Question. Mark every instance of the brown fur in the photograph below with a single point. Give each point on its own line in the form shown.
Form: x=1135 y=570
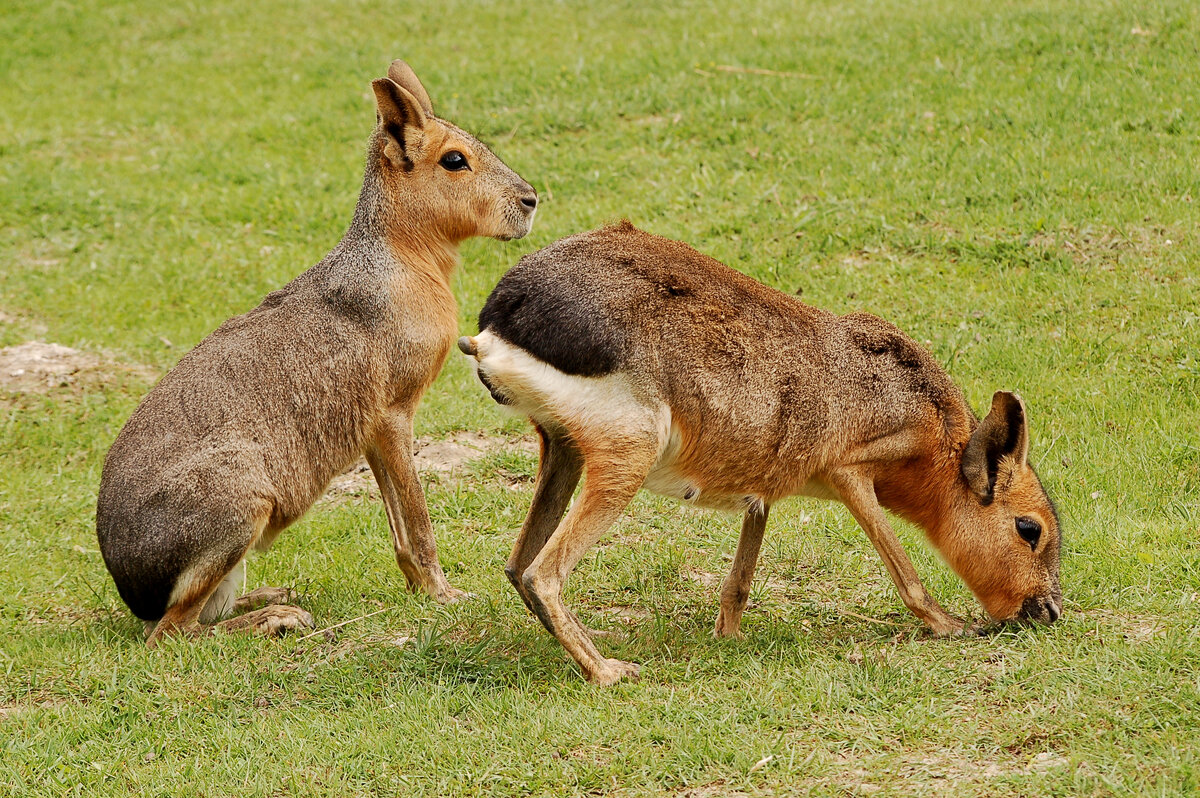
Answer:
x=731 y=395
x=243 y=435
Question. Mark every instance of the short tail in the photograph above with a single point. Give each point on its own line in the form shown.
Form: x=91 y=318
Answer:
x=469 y=346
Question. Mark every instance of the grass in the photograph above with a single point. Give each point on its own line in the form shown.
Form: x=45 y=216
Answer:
x=1011 y=182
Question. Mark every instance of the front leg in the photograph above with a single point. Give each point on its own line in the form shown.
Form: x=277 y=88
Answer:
x=736 y=590
x=391 y=506
x=857 y=492
x=390 y=457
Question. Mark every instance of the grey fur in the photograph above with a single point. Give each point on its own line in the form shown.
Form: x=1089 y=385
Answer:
x=243 y=435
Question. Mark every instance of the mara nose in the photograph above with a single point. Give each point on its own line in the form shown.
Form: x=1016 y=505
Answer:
x=1053 y=610
x=1043 y=610
x=529 y=202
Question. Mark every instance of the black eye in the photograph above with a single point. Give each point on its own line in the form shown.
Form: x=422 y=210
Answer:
x=454 y=161
x=1030 y=531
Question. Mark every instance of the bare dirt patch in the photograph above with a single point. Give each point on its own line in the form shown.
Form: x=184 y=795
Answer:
x=703 y=578
x=36 y=699
x=716 y=789
x=443 y=457
x=932 y=772
x=1100 y=245
x=40 y=367
x=59 y=614
x=447 y=455
x=654 y=119
x=36 y=367
x=624 y=614
x=1131 y=627
x=599 y=755
x=869 y=256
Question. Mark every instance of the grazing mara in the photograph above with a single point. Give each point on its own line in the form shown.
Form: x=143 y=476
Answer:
x=243 y=435
x=645 y=364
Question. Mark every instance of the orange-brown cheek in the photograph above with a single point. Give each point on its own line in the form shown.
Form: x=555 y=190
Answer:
x=1002 y=608
x=995 y=596
x=481 y=208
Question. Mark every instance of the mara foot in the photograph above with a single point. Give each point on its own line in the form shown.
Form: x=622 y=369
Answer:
x=452 y=595
x=611 y=671
x=262 y=597
x=272 y=621
x=727 y=626
x=947 y=626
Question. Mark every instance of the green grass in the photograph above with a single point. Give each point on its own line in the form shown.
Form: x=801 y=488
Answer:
x=1012 y=182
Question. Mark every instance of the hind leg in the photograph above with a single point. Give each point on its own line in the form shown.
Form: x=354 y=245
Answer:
x=559 y=469
x=615 y=470
x=272 y=621
x=188 y=616
x=206 y=591
x=190 y=599
x=224 y=599
x=261 y=597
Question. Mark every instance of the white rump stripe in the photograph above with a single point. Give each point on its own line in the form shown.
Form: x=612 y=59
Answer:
x=561 y=401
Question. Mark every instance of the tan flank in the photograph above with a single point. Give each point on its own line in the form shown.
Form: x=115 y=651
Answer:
x=645 y=364
x=242 y=436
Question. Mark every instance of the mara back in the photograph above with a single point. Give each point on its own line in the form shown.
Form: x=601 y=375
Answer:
x=764 y=390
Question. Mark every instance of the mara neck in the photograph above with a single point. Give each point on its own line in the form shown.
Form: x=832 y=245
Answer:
x=420 y=253
x=929 y=489
x=392 y=229
x=923 y=490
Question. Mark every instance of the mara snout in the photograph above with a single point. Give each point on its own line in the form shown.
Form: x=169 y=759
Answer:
x=644 y=364
x=243 y=435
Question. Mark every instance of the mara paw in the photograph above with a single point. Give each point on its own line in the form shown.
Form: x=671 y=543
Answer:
x=452 y=595
x=946 y=627
x=272 y=621
x=611 y=671
x=726 y=628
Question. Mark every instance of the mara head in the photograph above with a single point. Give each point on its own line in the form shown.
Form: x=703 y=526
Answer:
x=1005 y=541
x=441 y=175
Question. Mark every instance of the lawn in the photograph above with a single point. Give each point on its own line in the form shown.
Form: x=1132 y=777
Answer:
x=1014 y=183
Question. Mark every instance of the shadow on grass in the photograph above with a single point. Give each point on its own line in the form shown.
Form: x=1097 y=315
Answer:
x=493 y=646
x=497 y=654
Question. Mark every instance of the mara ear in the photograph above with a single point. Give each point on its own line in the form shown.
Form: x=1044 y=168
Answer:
x=1002 y=433
x=402 y=117
x=402 y=74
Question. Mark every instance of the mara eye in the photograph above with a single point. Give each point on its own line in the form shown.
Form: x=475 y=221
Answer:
x=454 y=161
x=1030 y=531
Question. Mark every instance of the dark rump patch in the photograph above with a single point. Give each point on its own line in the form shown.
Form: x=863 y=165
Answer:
x=556 y=321
x=146 y=604
x=145 y=591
